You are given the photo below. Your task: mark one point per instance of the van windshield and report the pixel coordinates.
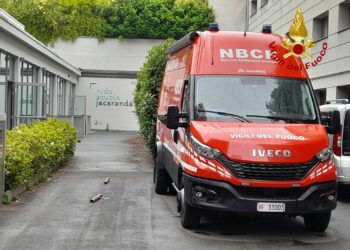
(253, 99)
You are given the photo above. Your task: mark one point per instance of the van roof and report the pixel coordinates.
(342, 108)
(338, 106)
(233, 53)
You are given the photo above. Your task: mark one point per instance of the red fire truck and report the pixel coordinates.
(239, 130)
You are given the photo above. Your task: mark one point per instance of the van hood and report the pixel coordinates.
(262, 142)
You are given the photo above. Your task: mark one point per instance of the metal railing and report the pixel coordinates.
(81, 122)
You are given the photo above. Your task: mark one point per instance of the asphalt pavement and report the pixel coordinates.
(58, 214)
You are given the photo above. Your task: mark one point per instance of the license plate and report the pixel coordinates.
(271, 207)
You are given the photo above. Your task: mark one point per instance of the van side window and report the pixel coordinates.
(346, 134)
(186, 100)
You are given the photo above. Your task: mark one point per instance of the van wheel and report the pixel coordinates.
(317, 222)
(161, 180)
(190, 216)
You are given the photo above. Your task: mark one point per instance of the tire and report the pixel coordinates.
(317, 222)
(190, 216)
(161, 180)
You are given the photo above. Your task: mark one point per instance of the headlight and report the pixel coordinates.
(204, 150)
(324, 155)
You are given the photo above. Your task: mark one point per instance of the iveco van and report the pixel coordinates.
(239, 130)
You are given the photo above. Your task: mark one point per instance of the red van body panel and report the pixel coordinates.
(232, 53)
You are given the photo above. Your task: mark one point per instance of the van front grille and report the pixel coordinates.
(270, 193)
(273, 172)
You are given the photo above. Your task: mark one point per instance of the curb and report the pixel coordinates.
(14, 193)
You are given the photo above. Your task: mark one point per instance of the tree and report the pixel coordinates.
(49, 20)
(157, 19)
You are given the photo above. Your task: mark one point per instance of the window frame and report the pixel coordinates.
(263, 3)
(319, 24)
(251, 7)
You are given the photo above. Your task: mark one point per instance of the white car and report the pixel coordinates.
(341, 141)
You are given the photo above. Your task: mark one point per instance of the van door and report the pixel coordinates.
(345, 158)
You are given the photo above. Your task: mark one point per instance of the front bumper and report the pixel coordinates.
(229, 198)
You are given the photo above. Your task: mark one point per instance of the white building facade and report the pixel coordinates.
(230, 14)
(326, 21)
(87, 82)
(35, 83)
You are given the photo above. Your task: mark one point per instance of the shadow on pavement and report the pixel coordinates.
(344, 193)
(261, 228)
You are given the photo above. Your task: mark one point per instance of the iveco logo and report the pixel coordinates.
(272, 153)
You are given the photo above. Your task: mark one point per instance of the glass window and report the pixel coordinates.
(6, 67)
(320, 26)
(254, 99)
(30, 94)
(29, 72)
(79, 105)
(344, 15)
(263, 3)
(2, 98)
(253, 7)
(3, 68)
(186, 99)
(6, 74)
(30, 101)
(71, 91)
(48, 81)
(61, 99)
(346, 134)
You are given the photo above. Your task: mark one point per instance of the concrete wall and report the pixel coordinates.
(333, 73)
(230, 14)
(108, 79)
(110, 103)
(111, 54)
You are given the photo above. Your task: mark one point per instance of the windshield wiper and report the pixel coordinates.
(276, 118)
(238, 117)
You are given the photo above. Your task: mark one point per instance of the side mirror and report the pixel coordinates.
(331, 120)
(172, 118)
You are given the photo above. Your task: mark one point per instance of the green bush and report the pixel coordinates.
(37, 149)
(147, 91)
(49, 20)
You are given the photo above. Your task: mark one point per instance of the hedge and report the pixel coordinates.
(37, 149)
(147, 91)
